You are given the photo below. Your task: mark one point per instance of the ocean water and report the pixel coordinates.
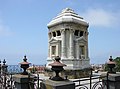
(17, 68)
(14, 69)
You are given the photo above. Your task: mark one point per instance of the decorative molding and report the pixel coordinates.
(80, 39)
(54, 40)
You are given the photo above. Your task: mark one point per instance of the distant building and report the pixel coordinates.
(98, 67)
(68, 38)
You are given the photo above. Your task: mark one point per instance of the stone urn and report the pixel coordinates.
(111, 65)
(57, 66)
(24, 65)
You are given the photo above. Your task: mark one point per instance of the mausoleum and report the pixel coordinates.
(68, 39)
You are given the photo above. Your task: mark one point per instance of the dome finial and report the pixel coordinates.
(67, 10)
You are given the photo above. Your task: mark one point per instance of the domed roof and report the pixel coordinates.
(67, 15)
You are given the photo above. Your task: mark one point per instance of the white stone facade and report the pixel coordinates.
(68, 38)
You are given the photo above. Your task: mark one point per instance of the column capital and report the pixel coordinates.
(62, 30)
(71, 30)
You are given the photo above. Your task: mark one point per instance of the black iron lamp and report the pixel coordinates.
(111, 65)
(25, 65)
(57, 66)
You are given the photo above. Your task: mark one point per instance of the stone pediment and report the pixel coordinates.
(53, 40)
(81, 39)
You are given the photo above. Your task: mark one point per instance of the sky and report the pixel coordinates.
(23, 28)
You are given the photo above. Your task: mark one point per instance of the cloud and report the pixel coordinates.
(4, 30)
(101, 17)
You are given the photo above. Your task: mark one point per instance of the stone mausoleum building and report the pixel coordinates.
(68, 39)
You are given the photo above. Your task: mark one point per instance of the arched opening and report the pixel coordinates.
(58, 33)
(76, 32)
(81, 33)
(54, 34)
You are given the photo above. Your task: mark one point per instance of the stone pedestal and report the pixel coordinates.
(113, 81)
(22, 82)
(50, 84)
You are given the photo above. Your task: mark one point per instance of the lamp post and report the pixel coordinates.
(24, 65)
(111, 65)
(57, 66)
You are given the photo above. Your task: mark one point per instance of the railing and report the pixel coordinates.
(35, 82)
(92, 82)
(7, 72)
(14, 69)
(6, 75)
(7, 82)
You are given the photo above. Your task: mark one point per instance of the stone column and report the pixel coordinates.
(87, 52)
(77, 50)
(63, 45)
(71, 44)
(57, 49)
(87, 45)
(50, 54)
(85, 55)
(48, 50)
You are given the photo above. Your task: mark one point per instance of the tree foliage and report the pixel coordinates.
(117, 66)
(117, 60)
(106, 67)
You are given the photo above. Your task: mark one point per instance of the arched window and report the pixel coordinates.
(76, 32)
(50, 36)
(82, 50)
(58, 33)
(53, 50)
(81, 33)
(54, 34)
